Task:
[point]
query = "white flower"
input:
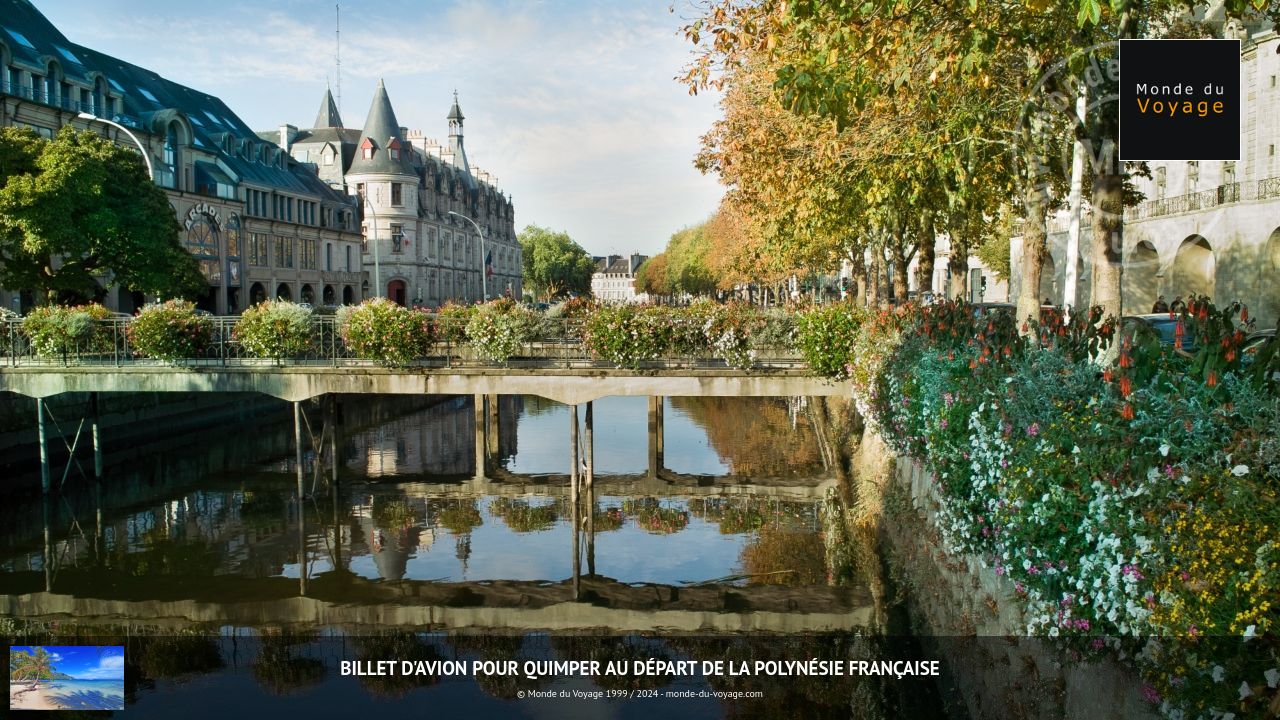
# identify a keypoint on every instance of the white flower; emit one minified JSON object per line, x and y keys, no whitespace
{"x":1240,"y":470}
{"x":1219,"y":673}
{"x":1245,"y":690}
{"x":1273,"y":677}
{"x":1164,"y":450}
{"x":1250,"y":633}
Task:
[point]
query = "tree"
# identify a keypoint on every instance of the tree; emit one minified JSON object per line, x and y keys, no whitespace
{"x":554,"y":264}
{"x":687,"y":270}
{"x":79,"y":212}
{"x":651,"y":276}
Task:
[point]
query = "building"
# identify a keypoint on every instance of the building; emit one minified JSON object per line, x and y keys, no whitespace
{"x":614,"y":280}
{"x":261,"y":224}
{"x":420,"y":201}
{"x":1207,"y":227}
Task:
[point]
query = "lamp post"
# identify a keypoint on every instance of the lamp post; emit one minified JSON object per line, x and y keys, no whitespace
{"x":377,"y":266}
{"x":484,"y":277}
{"x":146,"y":158}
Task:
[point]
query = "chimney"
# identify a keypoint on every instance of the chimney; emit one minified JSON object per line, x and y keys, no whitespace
{"x":636,"y":261}
{"x":287,"y":135}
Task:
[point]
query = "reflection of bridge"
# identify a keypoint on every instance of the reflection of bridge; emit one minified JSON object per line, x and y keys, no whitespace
{"x":340,"y":599}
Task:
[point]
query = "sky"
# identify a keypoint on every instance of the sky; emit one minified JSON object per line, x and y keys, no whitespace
{"x":571,"y":105}
{"x":84,"y":662}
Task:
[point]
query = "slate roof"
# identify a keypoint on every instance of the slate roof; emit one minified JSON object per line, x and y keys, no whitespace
{"x":328,"y":116}
{"x":151,"y":101}
{"x":382,"y":132}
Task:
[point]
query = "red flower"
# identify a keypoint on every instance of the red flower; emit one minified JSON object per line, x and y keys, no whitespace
{"x":1126,"y":412}
{"x":1107,"y":375}
{"x":1212,"y":380}
{"x":1126,"y":386}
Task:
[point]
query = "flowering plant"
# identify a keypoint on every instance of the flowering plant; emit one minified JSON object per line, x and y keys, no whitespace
{"x":626,"y":335}
{"x":499,"y":328}
{"x":58,"y":331}
{"x":452,"y":319}
{"x":170,"y":331}
{"x":383,"y":331}
{"x":274,"y":329}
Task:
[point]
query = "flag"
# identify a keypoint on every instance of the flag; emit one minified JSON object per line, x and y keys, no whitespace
{"x":488,"y":264}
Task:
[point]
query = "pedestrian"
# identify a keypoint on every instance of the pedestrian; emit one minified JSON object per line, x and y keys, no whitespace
{"x":1177,"y":305}
{"x":1160,"y":306}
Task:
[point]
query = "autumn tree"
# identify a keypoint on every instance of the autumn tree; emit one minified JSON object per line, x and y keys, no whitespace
{"x":79,"y":213}
{"x":554,"y":265}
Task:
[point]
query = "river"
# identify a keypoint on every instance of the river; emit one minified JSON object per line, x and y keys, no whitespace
{"x":232,"y":592}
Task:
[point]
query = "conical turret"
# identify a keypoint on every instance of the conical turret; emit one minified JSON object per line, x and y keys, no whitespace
{"x":381,"y":149}
{"x":328,"y":116}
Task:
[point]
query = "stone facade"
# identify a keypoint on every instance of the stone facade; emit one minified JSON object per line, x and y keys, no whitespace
{"x":1209,"y":228}
{"x":614,"y":280}
{"x":419,"y":200}
{"x":261,"y":224}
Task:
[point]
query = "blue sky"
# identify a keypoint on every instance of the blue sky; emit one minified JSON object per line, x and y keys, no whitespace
{"x":570,"y":104}
{"x":84,"y":662}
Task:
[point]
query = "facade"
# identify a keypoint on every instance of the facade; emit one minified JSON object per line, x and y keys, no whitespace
{"x":1209,"y":227}
{"x":419,"y":201}
{"x":614,"y":280}
{"x":261,"y":224}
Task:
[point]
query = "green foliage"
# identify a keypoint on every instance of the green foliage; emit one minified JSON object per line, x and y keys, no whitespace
{"x":56,"y":331}
{"x":994,"y":253}
{"x":383,"y":331}
{"x":554,"y":265}
{"x":452,"y":319}
{"x":523,"y":516}
{"x":627,"y":335}
{"x":8,"y":320}
{"x":170,"y":331}
{"x":825,"y":336}
{"x":499,"y":328}
{"x":275,"y":329}
{"x":651,"y":277}
{"x":78,"y":207}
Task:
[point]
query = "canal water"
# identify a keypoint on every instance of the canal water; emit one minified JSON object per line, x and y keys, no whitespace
{"x":703,"y":537}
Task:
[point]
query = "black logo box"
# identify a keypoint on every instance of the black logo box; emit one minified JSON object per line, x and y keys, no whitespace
{"x":1187,"y":68}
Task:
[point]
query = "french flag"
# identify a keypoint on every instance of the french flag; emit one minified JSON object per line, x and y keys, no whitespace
{"x":488,"y":264}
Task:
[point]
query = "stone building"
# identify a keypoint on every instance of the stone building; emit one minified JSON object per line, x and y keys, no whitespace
{"x":419,"y":201}
{"x":614,"y":280}
{"x":1206,"y":227}
{"x":261,"y":224}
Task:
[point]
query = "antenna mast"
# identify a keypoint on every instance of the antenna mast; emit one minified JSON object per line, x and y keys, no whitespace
{"x":337,"y":50}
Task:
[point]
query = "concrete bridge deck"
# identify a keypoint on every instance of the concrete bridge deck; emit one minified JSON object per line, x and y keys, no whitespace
{"x":570,"y":386}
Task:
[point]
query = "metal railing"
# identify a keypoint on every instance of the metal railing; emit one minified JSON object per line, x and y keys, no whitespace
{"x":556,"y":344}
{"x":1225,"y":194}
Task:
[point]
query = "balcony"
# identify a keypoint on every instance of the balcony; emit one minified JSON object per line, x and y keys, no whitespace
{"x":1226,"y":194}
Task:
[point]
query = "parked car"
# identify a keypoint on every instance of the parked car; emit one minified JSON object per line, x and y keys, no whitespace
{"x":1165,"y":325}
{"x":1252,"y":344}
{"x":990,"y":308}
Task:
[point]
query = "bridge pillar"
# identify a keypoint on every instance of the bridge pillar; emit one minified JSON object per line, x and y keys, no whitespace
{"x":44,"y":447}
{"x":478,"y":401}
{"x":97,"y":439}
{"x":575,"y":509}
{"x":655,"y":437}
{"x":491,"y":429}
{"x":590,"y":449}
{"x":573,"y":447}
{"x":297,"y":444}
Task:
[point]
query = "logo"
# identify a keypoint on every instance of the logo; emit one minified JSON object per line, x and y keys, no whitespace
{"x":1180,"y":100}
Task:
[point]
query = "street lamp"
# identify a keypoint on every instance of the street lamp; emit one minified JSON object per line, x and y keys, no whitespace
{"x":484,"y":269}
{"x":146,"y":158}
{"x":377,"y":266}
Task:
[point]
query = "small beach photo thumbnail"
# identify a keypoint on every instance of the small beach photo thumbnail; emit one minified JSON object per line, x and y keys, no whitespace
{"x":66,"y":677}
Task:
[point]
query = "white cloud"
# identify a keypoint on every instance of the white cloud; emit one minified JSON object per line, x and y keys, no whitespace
{"x":110,"y":667}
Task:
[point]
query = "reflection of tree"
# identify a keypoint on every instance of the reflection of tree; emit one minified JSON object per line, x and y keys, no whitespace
{"x":753,"y":436}
{"x":262,"y":505}
{"x":458,"y":516}
{"x":778,"y":556}
{"x":651,"y":515}
{"x":534,"y":406}
{"x":280,"y":669}
{"x":164,"y":556}
{"x":523,"y":516}
{"x":170,"y":656}
{"x":394,"y":645}
{"x":392,"y":513}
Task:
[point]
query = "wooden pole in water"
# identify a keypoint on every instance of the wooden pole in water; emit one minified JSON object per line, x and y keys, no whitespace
{"x":590,"y":448}
{"x":574,"y":507}
{"x":573,"y":446}
{"x":654,"y":404}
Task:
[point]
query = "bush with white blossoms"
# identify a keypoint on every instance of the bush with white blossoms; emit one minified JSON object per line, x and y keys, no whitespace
{"x":383,"y":331}
{"x":498,"y":329}
{"x":56,"y":331}
{"x":170,"y":331}
{"x":1133,"y":507}
{"x":275,"y":329}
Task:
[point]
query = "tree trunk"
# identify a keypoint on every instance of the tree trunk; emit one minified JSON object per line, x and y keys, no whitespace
{"x":875,"y":273}
{"x":1108,"y":242}
{"x":924,"y":269}
{"x":958,"y":264}
{"x":1034,"y":234}
{"x":900,"y":275}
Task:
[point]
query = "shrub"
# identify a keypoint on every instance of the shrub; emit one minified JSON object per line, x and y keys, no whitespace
{"x":170,"y":331}
{"x":627,"y":335}
{"x":825,"y":337}
{"x":728,"y":330}
{"x":380,"y":330}
{"x":275,"y":329}
{"x":58,"y":331}
{"x":452,"y":320}
{"x":498,"y":329}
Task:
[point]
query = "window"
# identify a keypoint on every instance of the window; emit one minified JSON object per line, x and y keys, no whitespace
{"x":328,"y":156}
{"x":1160,"y":182}
{"x":307,"y":255}
{"x":171,"y":147}
{"x":202,"y":238}
{"x":70,"y":56}
{"x":348,"y":258}
{"x":328,"y":257}
{"x":119,"y":88}
{"x":233,"y":237}
{"x":284,"y":252}
{"x":147,"y":94}
{"x":1228,"y":172}
{"x":22,"y":39}
{"x":258,"y":250}
{"x":397,"y":238}
{"x":397,"y":194}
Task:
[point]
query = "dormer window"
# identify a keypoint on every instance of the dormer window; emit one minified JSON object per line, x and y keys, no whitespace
{"x":366,"y":149}
{"x":393,"y":147}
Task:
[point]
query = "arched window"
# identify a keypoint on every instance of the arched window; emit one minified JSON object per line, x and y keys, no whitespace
{"x":171,"y":146}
